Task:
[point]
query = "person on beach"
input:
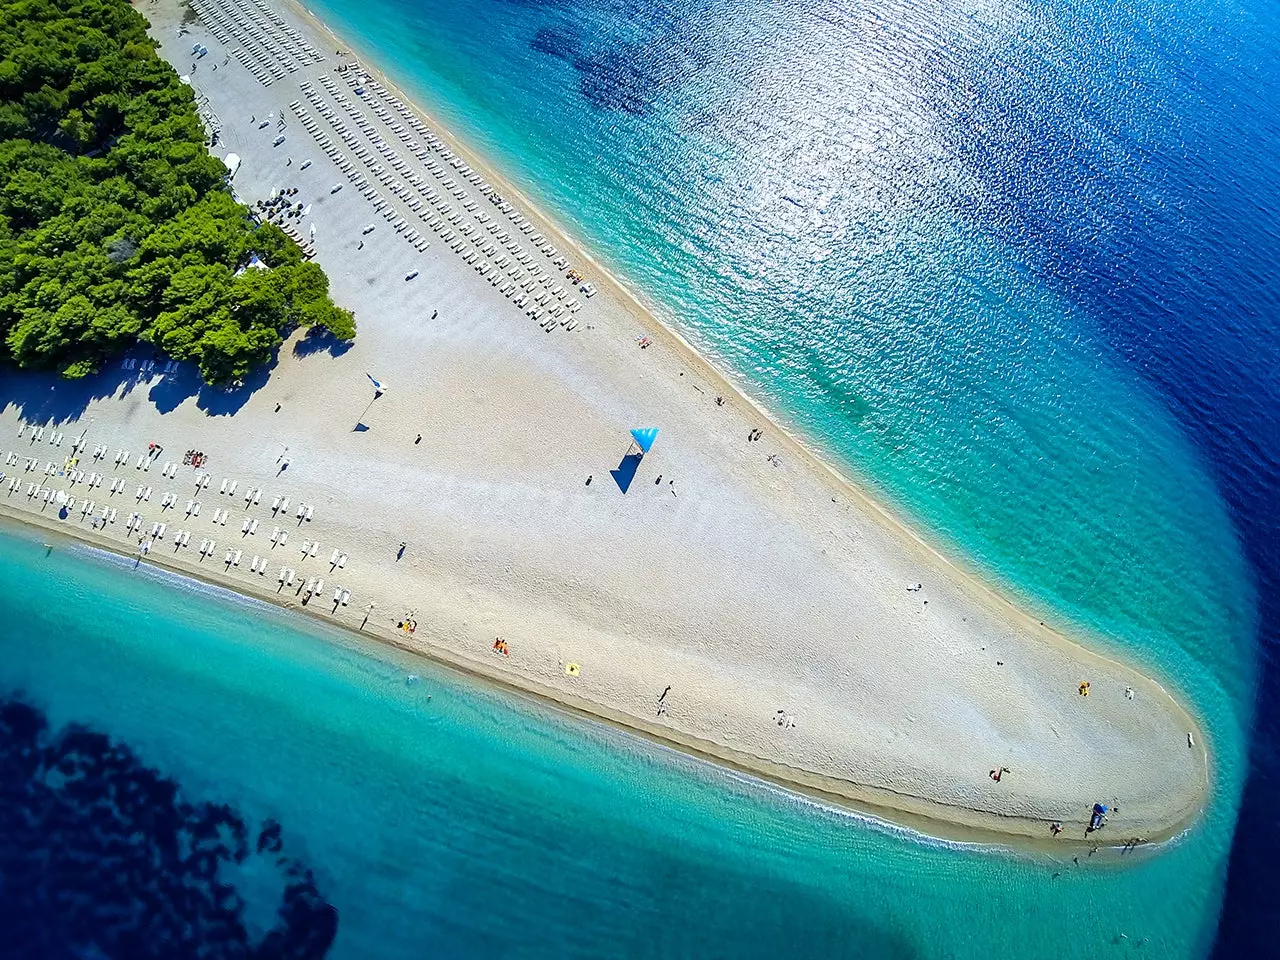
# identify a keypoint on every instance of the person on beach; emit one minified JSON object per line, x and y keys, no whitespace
{"x":418,"y":440}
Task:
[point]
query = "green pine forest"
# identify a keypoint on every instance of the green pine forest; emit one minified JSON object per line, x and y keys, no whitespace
{"x":116,"y":225}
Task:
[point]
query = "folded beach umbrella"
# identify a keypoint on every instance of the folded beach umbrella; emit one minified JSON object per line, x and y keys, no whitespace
{"x":376,"y":384}
{"x":644,"y":437}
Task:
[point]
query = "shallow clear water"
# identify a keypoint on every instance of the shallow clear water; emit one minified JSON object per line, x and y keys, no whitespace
{"x":1013,"y":265}
{"x":1010,"y":264}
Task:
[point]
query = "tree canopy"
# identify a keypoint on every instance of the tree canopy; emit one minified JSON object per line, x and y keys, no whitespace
{"x":116,"y":225}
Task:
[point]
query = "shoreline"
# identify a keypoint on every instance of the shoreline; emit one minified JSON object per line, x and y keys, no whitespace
{"x":1000,"y":594}
{"x":901,"y":712}
{"x":929,"y":819}
{"x":1032,"y":613}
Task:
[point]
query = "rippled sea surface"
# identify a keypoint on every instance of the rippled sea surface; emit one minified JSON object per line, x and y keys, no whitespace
{"x":1011,"y":265}
{"x":431,"y":817}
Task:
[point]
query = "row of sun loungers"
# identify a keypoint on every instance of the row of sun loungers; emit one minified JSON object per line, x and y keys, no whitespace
{"x":304,"y":243}
{"x":373,"y":92}
{"x":267,"y":46}
{"x":370,"y":193}
{"x":502,"y":260}
{"x":135,"y":524}
{"x":444,"y":218}
{"x":147,"y":366}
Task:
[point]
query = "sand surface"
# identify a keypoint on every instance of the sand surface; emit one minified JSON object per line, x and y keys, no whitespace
{"x":769,"y":597}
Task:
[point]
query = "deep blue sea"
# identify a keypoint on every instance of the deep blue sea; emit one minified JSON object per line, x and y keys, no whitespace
{"x":1012,"y":265}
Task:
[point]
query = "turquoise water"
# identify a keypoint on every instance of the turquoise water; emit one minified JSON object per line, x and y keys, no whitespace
{"x":981,"y":256}
{"x":1011,"y":266}
{"x":440,"y":818}
{"x":787,"y":186}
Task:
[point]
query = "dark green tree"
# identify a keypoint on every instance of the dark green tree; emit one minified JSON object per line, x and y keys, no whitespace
{"x":116,"y":225}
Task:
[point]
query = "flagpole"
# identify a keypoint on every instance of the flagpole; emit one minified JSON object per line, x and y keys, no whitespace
{"x":378,"y":390}
{"x":366,"y":410}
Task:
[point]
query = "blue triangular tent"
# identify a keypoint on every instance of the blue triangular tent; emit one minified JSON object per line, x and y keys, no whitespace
{"x":644,"y":438}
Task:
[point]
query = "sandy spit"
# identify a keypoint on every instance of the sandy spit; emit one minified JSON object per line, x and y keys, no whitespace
{"x":774,"y":602}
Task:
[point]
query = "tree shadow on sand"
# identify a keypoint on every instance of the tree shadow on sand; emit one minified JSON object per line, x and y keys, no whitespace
{"x":320,"y":340}
{"x":102,"y":856}
{"x":43,"y":398}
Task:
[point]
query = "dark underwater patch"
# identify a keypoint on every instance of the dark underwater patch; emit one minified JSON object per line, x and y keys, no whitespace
{"x":663,"y":48}
{"x":101,"y":856}
{"x":556,"y":42}
{"x":614,"y":81}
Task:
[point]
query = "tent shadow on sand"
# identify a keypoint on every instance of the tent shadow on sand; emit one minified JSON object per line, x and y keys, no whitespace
{"x":641,"y":441}
{"x":626,"y":471}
